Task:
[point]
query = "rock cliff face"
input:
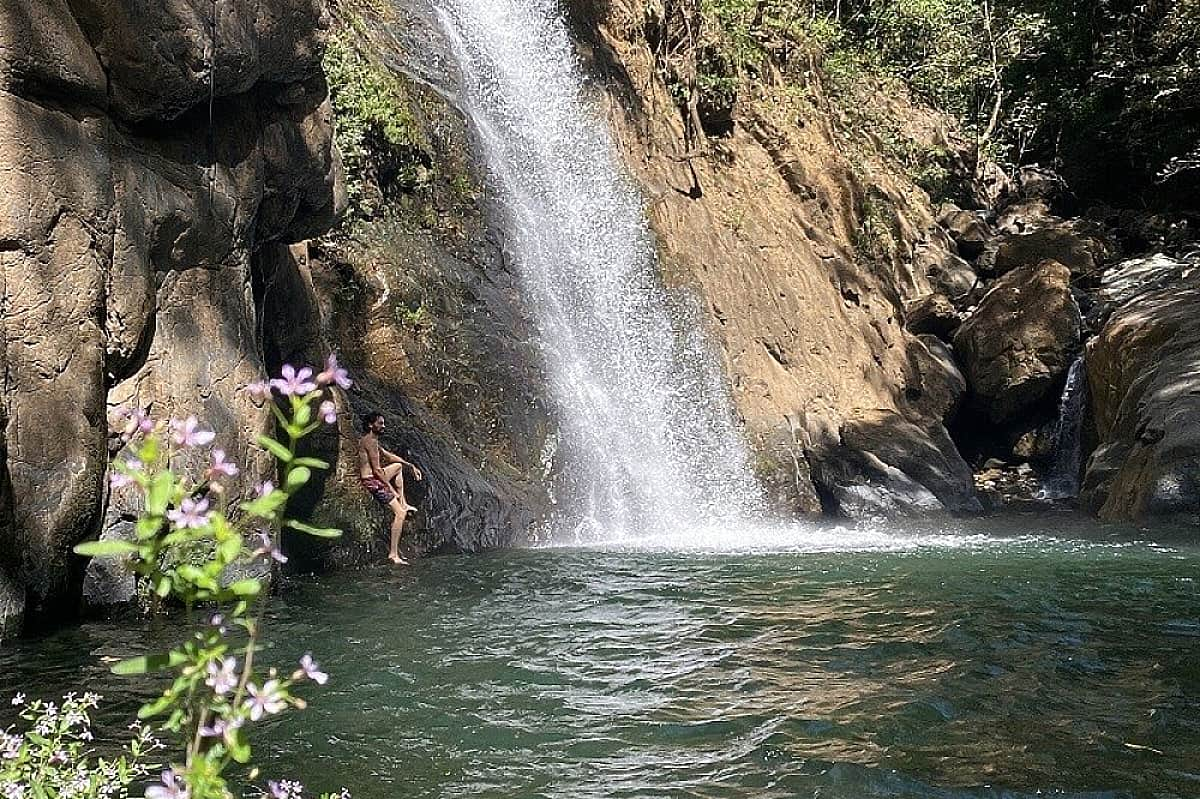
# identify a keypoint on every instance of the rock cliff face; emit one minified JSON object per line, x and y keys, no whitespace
{"x":150,"y":151}
{"x":804,"y":245}
{"x":1144,"y":374}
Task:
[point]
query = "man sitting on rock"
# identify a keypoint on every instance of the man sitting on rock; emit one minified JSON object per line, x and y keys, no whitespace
{"x":384,"y":483}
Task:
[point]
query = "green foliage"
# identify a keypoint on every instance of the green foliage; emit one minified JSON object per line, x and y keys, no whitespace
{"x":1075,"y":83}
{"x":373,"y":126}
{"x":53,"y":757}
{"x":876,"y":236}
{"x":187,"y":542}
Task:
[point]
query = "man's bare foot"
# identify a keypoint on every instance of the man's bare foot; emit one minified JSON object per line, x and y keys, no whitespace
{"x":399,"y":561}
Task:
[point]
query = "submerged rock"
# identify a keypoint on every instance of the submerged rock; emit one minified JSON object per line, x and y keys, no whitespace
{"x":1020,"y":341}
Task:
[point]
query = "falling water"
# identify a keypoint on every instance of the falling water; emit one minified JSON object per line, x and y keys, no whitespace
{"x":647,"y":440}
{"x":1063,"y":480}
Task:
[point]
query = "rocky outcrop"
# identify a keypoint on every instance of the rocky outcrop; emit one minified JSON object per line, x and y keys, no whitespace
{"x":138,"y":182}
{"x":1145,"y":393}
{"x":1018,"y":344}
{"x":803,"y":250}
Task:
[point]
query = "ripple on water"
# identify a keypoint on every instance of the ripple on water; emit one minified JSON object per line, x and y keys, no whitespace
{"x":1011,"y":666}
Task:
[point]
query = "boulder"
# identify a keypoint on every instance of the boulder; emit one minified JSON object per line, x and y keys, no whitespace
{"x":885,"y":465}
{"x":12,"y":606}
{"x":967,"y":228}
{"x":1024,"y":216}
{"x":109,"y":582}
{"x":1135,"y":276}
{"x":1039,"y":183}
{"x":933,"y":314}
{"x":941,"y":384}
{"x":1082,"y":254}
{"x":1019,"y":342}
{"x":947,"y":273}
{"x":1145,"y":393}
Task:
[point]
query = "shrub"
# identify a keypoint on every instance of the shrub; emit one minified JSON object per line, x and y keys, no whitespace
{"x":216,"y":690}
{"x":53,"y":757}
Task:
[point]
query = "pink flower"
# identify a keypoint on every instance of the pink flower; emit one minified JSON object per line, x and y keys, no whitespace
{"x":287,"y":789}
{"x":220,"y":466}
{"x":121,"y":477}
{"x":191,"y":513}
{"x":172,"y":788}
{"x":312,"y":670}
{"x":136,"y":421}
{"x":267,"y":549}
{"x":264,"y":488}
{"x":334,"y":374}
{"x":328,"y":412}
{"x":259,"y":390}
{"x":188,"y":433}
{"x":223,"y":676}
{"x":294,"y":383}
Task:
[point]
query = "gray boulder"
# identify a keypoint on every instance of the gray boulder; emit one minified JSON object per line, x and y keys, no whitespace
{"x":967,"y":228}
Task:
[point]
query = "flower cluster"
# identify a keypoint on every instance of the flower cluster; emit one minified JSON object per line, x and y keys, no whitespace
{"x":52,"y":757}
{"x":187,"y":540}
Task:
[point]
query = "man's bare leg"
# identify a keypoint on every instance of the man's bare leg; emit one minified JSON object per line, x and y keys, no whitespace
{"x":395,"y":477}
{"x":400,"y":512}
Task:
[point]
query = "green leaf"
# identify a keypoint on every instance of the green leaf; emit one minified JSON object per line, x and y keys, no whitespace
{"x":148,"y":527}
{"x":162,"y":485}
{"x":247,"y":587}
{"x":283,"y":420}
{"x":265,"y":506}
{"x":239,"y":750}
{"x":143,"y":665}
{"x":319,"y":532}
{"x":163,"y":586}
{"x":229,"y":549}
{"x":275,"y":448}
{"x":148,"y":452}
{"x":297,"y":476}
{"x":303,"y":413}
{"x":313,"y":463}
{"x":105,"y":549}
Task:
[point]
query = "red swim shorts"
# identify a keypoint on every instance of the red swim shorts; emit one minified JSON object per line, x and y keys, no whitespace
{"x":377,"y":488}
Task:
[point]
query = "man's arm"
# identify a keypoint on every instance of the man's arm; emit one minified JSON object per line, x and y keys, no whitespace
{"x":394,"y":458}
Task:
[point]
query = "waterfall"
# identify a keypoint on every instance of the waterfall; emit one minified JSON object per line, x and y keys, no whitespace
{"x":647,"y":437}
{"x":1062,"y":482}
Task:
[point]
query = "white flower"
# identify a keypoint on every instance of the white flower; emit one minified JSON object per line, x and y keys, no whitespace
{"x":265,"y":701}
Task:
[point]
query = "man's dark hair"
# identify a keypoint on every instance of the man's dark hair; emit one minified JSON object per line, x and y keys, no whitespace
{"x":369,"y":418}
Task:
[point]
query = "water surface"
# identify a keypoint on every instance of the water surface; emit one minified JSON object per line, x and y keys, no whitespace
{"x":931,"y":663}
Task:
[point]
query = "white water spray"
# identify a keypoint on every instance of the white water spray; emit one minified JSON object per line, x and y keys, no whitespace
{"x":648,"y":440}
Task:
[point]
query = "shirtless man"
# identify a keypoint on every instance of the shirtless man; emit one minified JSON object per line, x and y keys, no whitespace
{"x":384,"y":482}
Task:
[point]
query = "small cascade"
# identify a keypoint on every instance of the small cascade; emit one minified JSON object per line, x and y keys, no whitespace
{"x":1062,"y":481}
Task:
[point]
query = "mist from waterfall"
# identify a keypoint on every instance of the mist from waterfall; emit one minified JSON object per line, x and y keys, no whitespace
{"x":647,"y":436}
